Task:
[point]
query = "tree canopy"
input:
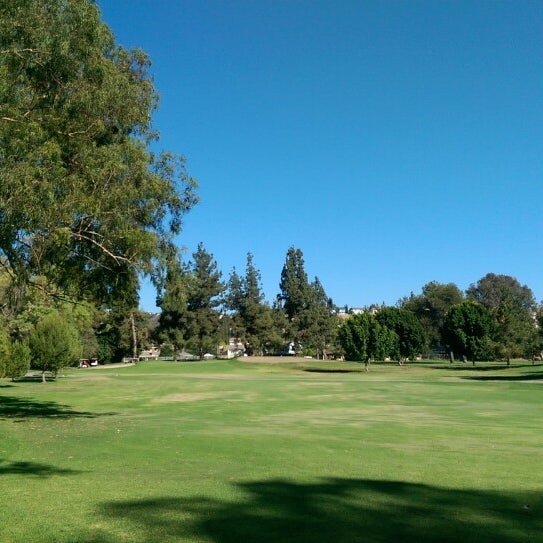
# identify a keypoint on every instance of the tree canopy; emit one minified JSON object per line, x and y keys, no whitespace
{"x":83,"y":200}
{"x":407,"y":327}
{"x":512,"y":307}
{"x":251,"y":316}
{"x":468,"y":330}
{"x":431,"y":306}
{"x":54,"y":344}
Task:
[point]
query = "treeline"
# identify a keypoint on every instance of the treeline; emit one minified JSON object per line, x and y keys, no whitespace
{"x":496,"y":318}
{"x":199,"y":311}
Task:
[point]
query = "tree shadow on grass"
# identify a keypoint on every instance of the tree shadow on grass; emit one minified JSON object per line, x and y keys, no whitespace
{"x":479,"y":366}
{"x":332,"y":370}
{"x":12,"y":407}
{"x":339,"y":511}
{"x":525,"y":377}
{"x":33,"y":469}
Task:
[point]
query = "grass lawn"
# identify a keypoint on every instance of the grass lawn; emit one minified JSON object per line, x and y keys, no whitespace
{"x":235,"y":452}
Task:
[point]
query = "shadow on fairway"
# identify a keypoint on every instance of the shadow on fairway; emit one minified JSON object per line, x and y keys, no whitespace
{"x":22,"y":408}
{"x":33,"y":469}
{"x":479,"y":366}
{"x":338,"y":511}
{"x":525,"y":377}
{"x":325,"y":370}
{"x":35,"y":379}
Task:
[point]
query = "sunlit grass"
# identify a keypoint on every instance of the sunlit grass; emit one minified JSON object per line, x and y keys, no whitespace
{"x":238,"y":451}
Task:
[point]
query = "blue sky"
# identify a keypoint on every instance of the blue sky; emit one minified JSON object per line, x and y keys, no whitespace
{"x":393,"y":142}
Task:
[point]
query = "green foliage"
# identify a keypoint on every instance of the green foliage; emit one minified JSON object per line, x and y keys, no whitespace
{"x":468,"y":330}
{"x":309,"y":312}
{"x":5,"y":353}
{"x":252,"y":318}
{"x":54,"y":344}
{"x":19,"y":361}
{"x":204,"y":287}
{"x":172,"y":300}
{"x":363,"y":338}
{"x":512,"y":307}
{"x":295,"y":292}
{"x":83,"y":201}
{"x":431,"y":306}
{"x":408,"y":329}
{"x":318,"y":322}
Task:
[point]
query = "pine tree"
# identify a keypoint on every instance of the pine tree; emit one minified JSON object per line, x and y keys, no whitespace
{"x":294,"y":285}
{"x":295,"y":294}
{"x":172,"y":301}
{"x":252,"y":317}
{"x":319,"y":321}
{"x":204,"y":287}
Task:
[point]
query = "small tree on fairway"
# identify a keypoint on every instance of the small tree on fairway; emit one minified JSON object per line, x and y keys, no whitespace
{"x":363,"y":338}
{"x":19,"y":361}
{"x":54,"y":344}
{"x":5,"y":352}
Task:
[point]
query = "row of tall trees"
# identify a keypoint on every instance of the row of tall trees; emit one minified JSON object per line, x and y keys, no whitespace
{"x":199,"y":310}
{"x":496,"y":318}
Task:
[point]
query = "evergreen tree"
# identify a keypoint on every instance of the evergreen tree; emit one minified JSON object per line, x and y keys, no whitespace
{"x":252,"y":317}
{"x":172,"y":301}
{"x":363,"y":338}
{"x":19,"y":361}
{"x":295,"y":295}
{"x":204,"y":287}
{"x":294,"y":285}
{"x":318,"y":321}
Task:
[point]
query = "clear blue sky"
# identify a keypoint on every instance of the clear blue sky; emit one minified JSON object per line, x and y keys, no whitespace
{"x":394,"y":142}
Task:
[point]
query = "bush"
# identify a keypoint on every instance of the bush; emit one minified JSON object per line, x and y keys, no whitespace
{"x":19,"y":362}
{"x":54,"y":344}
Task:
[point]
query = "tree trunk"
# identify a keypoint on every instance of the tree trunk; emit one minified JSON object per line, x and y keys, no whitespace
{"x":134,"y":336}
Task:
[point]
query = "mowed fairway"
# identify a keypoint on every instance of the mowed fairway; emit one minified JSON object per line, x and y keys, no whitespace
{"x":256,"y":452}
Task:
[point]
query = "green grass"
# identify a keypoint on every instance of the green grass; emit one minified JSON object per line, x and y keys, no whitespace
{"x":310,"y":452}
